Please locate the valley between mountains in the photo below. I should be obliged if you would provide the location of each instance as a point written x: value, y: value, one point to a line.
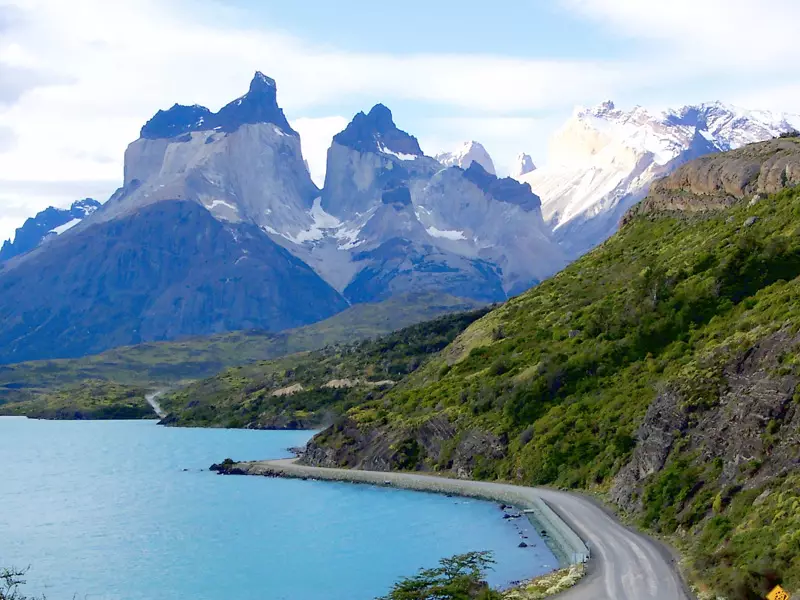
x: 624, y: 320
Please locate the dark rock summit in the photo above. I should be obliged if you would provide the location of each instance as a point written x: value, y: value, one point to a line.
x: 505, y: 189
x: 258, y: 105
x: 377, y: 132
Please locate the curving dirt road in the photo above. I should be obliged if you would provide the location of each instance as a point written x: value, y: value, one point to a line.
x: 624, y: 564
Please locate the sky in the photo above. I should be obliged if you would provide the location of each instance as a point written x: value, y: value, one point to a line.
x: 78, y: 79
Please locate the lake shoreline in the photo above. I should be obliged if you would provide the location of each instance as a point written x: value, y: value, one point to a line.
x: 565, y: 544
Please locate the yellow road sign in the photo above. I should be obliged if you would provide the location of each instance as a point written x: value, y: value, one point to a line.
x: 778, y: 594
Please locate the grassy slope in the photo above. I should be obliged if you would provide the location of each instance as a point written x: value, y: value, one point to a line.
x: 171, y: 363
x: 245, y: 396
x: 565, y: 373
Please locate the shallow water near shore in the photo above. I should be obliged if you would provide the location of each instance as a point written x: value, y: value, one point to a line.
x: 128, y: 510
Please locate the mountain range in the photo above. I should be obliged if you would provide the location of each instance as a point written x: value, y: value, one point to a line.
x: 603, y: 160
x: 218, y: 225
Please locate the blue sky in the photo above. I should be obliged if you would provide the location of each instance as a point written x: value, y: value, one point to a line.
x: 79, y: 78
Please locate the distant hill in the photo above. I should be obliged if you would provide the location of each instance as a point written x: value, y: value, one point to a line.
x: 168, y: 364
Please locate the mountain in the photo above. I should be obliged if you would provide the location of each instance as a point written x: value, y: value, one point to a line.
x: 178, y: 250
x: 660, y: 370
x: 218, y: 226
x: 603, y: 160
x: 465, y: 155
x: 523, y: 165
x: 46, y: 224
x: 392, y: 220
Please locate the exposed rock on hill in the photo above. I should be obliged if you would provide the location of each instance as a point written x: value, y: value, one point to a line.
x: 718, y: 180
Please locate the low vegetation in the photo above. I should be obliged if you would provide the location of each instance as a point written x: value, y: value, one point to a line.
x: 156, y: 365
x: 460, y: 577
x: 305, y: 390
x: 11, y: 580
x: 95, y: 400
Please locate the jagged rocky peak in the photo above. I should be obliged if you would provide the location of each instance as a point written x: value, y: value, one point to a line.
x: 465, y: 155
x: 377, y: 132
x: 47, y: 223
x: 505, y: 190
x: 523, y: 165
x: 258, y: 105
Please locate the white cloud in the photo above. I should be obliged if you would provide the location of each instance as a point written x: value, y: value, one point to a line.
x: 316, y: 135
x: 728, y: 35
x: 118, y: 62
x: 79, y: 78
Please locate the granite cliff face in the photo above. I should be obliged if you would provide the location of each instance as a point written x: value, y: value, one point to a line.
x: 243, y: 164
x: 392, y: 220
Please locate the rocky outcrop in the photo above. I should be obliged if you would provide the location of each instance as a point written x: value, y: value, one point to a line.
x: 523, y: 165
x: 750, y: 425
x: 433, y: 443
x: 718, y: 181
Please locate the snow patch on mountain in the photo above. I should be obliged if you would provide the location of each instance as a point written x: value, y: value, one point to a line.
x: 400, y: 155
x: 66, y: 226
x: 447, y: 234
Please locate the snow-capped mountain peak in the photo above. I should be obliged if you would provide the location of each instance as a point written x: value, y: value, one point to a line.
x: 603, y: 159
x: 465, y: 155
x: 523, y: 165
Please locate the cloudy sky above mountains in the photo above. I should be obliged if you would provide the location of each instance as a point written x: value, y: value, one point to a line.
x: 78, y: 79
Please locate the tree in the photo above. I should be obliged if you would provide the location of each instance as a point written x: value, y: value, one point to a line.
x: 10, y: 581
x: 460, y: 577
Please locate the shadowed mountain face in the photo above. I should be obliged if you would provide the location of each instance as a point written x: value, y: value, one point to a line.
x: 171, y: 270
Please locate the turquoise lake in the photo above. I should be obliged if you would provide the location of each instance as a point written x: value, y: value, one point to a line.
x: 128, y: 510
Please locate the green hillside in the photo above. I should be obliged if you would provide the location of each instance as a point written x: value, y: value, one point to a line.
x: 168, y: 364
x: 660, y: 370
x: 305, y: 390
